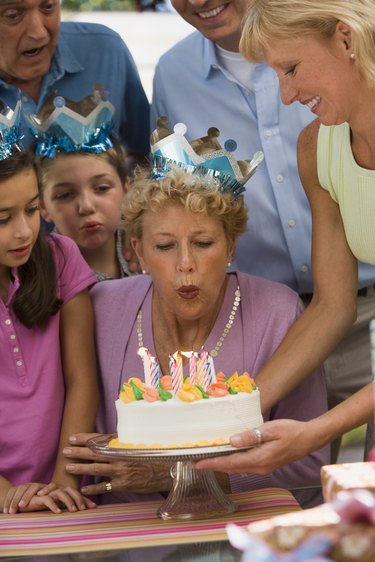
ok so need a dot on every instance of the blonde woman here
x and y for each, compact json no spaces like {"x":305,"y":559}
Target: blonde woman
{"x":324,"y":56}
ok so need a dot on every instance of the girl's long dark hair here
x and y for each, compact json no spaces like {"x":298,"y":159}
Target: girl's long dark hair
{"x":36,"y":299}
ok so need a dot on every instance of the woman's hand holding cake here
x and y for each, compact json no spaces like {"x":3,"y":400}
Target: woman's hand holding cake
{"x":141,"y":478}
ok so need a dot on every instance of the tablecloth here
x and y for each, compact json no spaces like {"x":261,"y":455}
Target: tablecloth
{"x":131,"y":525}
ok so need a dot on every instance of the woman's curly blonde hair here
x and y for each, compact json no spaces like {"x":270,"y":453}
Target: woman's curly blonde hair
{"x":194,"y":192}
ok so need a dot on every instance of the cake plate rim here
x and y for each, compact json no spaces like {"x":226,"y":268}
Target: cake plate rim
{"x":99,"y":444}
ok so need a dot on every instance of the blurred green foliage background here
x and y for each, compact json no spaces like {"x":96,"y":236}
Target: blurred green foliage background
{"x":105,"y":5}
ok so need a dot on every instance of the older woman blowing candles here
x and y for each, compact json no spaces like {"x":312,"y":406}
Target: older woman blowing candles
{"x":184,"y":227}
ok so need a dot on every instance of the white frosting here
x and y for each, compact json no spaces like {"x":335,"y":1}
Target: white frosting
{"x":175,"y":422}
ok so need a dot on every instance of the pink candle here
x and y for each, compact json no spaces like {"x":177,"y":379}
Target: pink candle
{"x":193,"y":365}
{"x":202,"y":375}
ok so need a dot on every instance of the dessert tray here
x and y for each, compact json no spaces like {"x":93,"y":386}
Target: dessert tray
{"x":195,"y":494}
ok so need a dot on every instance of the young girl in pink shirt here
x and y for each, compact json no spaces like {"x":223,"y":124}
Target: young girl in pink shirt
{"x":47,"y":359}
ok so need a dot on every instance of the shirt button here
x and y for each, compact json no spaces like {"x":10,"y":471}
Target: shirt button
{"x":25,"y":98}
{"x":19,"y":363}
{"x":8,"y":322}
{"x":305,"y":268}
{"x":280,"y":178}
{"x":12,"y":336}
{"x":269,"y":133}
{"x":291,"y":223}
{"x":16,"y":349}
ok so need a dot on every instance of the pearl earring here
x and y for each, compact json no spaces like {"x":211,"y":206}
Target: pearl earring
{"x":352,"y":56}
{"x":144,"y":271}
{"x":229,"y":263}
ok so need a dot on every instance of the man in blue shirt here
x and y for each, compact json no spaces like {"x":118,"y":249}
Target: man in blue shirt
{"x":39,"y":55}
{"x":203,"y":81}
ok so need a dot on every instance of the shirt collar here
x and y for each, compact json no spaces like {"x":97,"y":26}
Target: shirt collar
{"x":64,"y":62}
{"x":13,"y":285}
{"x":209,"y":61}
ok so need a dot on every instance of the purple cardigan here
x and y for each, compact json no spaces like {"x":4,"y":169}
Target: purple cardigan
{"x":266,"y":312}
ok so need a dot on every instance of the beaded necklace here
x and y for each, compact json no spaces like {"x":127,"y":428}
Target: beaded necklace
{"x":214,"y":352}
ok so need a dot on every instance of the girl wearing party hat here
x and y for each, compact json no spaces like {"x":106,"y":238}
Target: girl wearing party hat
{"x":83,"y":178}
{"x":47,"y":360}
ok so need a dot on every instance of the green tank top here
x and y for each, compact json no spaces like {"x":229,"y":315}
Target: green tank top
{"x":352,"y":187}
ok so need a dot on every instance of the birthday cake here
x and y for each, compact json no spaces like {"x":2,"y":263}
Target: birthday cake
{"x":196,"y":411}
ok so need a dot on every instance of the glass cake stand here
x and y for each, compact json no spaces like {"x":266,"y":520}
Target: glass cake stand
{"x":195,"y":494}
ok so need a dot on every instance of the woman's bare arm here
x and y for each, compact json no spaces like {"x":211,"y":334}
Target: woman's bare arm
{"x":333,"y":308}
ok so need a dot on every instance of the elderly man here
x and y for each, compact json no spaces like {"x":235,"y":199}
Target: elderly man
{"x":39,"y":55}
{"x":204,"y":81}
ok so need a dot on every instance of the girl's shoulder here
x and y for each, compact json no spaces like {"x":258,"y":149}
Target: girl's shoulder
{"x":60,"y":243}
{"x":65,"y":250}
{"x":71,"y":268}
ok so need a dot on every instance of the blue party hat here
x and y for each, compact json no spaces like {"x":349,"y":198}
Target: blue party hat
{"x":204,"y":156}
{"x":66,"y":126}
{"x":10,"y":130}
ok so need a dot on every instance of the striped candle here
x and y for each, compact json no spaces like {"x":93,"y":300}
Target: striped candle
{"x":202,"y":375}
{"x":150,"y":367}
{"x":171,"y":365}
{"x":154,"y":372}
{"x":211,"y":375}
{"x":193,"y":367}
{"x":193,"y":360}
{"x":175,"y":362}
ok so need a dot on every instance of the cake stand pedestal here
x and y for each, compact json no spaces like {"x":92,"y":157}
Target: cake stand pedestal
{"x":195,"y":494}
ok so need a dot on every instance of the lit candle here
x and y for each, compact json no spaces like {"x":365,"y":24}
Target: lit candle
{"x":154,"y":372}
{"x":176,"y":367}
{"x":193,"y":360}
{"x":150,"y":367}
{"x":210,"y":369}
{"x":202,"y":374}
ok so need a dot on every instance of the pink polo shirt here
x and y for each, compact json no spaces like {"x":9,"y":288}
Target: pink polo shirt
{"x":31,"y":377}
